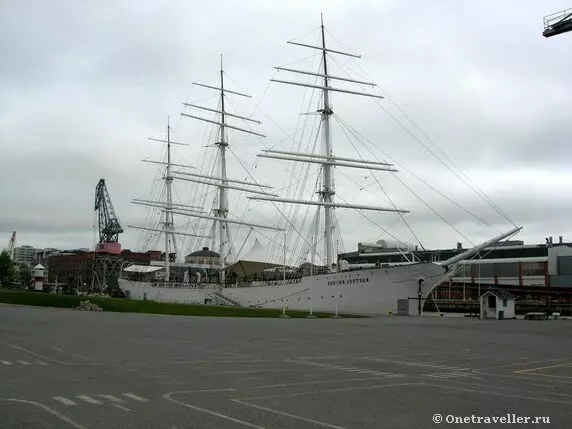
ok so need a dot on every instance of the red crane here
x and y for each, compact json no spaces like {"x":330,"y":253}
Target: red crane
{"x":11,"y":245}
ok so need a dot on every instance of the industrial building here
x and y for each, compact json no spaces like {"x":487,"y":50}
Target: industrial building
{"x":539,"y":275}
{"x":85,"y":269}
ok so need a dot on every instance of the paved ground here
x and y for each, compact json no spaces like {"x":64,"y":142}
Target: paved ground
{"x":60,"y":368}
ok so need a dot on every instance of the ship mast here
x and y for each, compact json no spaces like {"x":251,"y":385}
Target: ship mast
{"x":222,"y":211}
{"x":168,"y":226}
{"x":327,"y":160}
{"x":222,"y":182}
{"x":167,"y":206}
{"x":327,"y":192}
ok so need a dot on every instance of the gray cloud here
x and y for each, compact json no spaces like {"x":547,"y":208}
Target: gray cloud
{"x":83,"y":86}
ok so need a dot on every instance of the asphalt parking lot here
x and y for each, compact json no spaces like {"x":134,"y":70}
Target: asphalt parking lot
{"x":61,"y":368}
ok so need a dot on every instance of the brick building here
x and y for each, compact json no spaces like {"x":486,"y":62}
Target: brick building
{"x":77,"y":267}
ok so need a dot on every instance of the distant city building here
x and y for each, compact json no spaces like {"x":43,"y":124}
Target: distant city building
{"x":42,"y":255}
{"x":24,"y":254}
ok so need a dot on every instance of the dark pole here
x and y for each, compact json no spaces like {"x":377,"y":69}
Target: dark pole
{"x":420,"y":283}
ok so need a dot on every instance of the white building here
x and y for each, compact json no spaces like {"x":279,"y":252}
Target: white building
{"x":38,"y":277}
{"x":24,"y":254}
{"x":497,"y":304}
{"x":204,"y":258}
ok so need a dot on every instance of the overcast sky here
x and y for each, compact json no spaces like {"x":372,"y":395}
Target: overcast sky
{"x":83,"y":84}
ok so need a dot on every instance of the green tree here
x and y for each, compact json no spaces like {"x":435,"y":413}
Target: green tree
{"x":24,"y":275}
{"x":6,"y":268}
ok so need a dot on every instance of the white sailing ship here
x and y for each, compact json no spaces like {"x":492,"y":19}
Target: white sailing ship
{"x":331,"y":286}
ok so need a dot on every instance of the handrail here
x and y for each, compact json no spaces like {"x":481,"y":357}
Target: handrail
{"x":556,"y":18}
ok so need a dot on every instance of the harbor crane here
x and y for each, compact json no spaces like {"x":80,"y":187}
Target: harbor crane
{"x":11,"y":245}
{"x":109,"y":227}
{"x":557,"y":23}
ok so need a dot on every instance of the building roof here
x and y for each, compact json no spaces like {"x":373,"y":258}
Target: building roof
{"x":204,"y":252}
{"x":500,"y":293}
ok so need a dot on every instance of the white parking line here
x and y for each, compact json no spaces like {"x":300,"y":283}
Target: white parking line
{"x":293,"y":416}
{"x":137,"y":398}
{"x":439,"y":376}
{"x":89,"y":399}
{"x":121,"y":407}
{"x":112,"y":398}
{"x":343,"y":389}
{"x":5,"y":362}
{"x":448,"y":375}
{"x":168,"y":396}
{"x":49,"y":410}
{"x":64,"y":401}
{"x":23,"y":362}
{"x":41,"y":362}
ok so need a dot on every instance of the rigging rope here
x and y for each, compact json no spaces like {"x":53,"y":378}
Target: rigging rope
{"x":369,"y":149}
{"x":383,"y":189}
{"x":466,"y":180}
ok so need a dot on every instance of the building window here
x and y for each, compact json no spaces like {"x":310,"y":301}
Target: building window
{"x":533,"y":268}
{"x":504,"y":302}
{"x":465,"y":271}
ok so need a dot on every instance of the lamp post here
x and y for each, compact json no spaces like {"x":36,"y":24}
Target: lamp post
{"x":420,"y":281}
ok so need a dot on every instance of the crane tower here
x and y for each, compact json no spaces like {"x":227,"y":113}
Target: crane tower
{"x":109,"y":227}
{"x":11,"y":245}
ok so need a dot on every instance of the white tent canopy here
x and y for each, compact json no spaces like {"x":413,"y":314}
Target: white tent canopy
{"x":256,"y":253}
{"x":254,"y":261}
{"x":142,"y":269}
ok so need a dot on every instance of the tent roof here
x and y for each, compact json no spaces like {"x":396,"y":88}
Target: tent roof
{"x":244,"y":268}
{"x":254,"y":261}
{"x":142,"y":268}
{"x":256,"y":253}
{"x":500,"y":293}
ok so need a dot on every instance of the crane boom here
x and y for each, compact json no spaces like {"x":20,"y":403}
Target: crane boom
{"x":109,"y":227}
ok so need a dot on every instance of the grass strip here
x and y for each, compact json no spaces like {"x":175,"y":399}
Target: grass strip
{"x":132,"y":306}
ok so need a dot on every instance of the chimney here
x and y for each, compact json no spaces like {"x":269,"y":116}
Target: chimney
{"x":560,"y":239}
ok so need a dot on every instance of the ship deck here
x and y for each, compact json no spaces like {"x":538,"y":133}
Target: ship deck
{"x":63,"y":368}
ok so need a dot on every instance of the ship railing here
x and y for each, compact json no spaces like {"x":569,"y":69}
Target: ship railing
{"x":557,"y":18}
{"x":177,"y":285}
{"x":269,"y":282}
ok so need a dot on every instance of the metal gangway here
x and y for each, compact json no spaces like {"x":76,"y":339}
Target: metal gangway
{"x":557,"y":23}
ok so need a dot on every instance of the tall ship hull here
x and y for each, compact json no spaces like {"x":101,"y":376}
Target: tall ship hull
{"x":368,"y":292}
